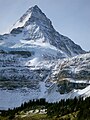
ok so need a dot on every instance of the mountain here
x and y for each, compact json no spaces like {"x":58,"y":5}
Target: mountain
{"x":36,"y":61}
{"x":35,"y":29}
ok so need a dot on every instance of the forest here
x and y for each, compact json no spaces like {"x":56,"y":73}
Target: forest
{"x":62,"y":110}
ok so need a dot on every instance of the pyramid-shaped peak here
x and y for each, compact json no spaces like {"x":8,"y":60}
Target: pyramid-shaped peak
{"x":35,"y":11}
{"x":36,"y":7}
{"x":33,"y":14}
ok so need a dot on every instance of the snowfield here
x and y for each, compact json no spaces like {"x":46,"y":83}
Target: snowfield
{"x":14,"y":98}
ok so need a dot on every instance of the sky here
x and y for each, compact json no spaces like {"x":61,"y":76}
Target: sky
{"x":69,"y":17}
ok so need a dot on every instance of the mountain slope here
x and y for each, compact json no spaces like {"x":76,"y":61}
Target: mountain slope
{"x":24,"y":83}
{"x":77,"y":67}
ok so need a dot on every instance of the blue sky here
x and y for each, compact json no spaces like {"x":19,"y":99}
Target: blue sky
{"x":69,"y":17}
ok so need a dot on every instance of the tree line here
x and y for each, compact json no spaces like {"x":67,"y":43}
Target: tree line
{"x":58,"y":109}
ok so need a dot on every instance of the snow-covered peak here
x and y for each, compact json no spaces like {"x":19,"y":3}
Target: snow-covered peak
{"x":35,"y":27}
{"x":33,"y":14}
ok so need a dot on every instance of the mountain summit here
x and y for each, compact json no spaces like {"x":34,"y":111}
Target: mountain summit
{"x":33,"y":14}
{"x":35,"y":28}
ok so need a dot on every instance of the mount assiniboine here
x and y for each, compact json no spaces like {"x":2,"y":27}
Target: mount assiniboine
{"x":38,"y":62}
